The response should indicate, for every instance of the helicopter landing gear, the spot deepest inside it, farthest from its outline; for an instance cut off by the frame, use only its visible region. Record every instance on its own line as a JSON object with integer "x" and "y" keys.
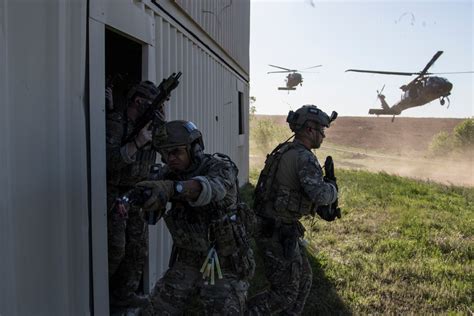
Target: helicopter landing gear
{"x": 442, "y": 101}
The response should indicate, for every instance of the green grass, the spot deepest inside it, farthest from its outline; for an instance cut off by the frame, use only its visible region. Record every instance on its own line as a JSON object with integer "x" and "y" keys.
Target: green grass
{"x": 402, "y": 246}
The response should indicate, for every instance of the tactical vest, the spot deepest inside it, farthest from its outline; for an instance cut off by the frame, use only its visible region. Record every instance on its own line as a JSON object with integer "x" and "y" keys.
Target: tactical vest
{"x": 275, "y": 199}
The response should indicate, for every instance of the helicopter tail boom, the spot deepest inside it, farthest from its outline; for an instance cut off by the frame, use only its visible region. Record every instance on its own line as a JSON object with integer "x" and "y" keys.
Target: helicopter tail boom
{"x": 383, "y": 112}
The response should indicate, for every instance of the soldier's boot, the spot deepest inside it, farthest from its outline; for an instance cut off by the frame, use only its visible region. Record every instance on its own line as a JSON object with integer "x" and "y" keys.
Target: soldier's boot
{"x": 130, "y": 301}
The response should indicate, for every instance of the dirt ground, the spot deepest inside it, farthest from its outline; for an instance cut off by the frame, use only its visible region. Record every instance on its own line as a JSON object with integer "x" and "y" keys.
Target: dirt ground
{"x": 399, "y": 147}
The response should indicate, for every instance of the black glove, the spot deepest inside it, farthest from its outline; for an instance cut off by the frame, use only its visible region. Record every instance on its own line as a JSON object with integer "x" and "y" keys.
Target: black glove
{"x": 332, "y": 181}
{"x": 161, "y": 192}
{"x": 329, "y": 212}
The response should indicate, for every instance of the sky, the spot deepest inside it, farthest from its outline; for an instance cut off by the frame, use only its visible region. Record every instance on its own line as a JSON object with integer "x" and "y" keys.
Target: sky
{"x": 378, "y": 35}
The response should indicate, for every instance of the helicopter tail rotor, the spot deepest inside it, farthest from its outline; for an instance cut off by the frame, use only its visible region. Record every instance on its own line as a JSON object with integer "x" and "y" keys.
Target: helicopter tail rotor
{"x": 379, "y": 93}
{"x": 381, "y": 97}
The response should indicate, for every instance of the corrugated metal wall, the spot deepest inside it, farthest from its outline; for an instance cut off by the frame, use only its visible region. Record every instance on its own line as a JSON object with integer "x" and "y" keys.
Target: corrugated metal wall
{"x": 45, "y": 122}
{"x": 208, "y": 93}
{"x": 226, "y": 21}
{"x": 44, "y": 248}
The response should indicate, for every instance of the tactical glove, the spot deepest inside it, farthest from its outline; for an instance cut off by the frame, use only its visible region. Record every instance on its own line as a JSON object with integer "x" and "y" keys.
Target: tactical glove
{"x": 144, "y": 136}
{"x": 161, "y": 192}
{"x": 332, "y": 181}
{"x": 329, "y": 212}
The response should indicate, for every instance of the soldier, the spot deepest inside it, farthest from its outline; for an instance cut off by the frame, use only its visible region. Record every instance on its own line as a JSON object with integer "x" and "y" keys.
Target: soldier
{"x": 127, "y": 164}
{"x": 211, "y": 259}
{"x": 290, "y": 186}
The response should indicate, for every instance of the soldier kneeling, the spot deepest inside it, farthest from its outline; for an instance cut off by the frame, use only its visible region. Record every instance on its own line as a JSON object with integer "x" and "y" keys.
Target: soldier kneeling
{"x": 211, "y": 258}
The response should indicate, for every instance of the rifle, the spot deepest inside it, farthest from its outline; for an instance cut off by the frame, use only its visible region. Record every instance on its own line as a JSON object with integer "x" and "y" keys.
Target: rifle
{"x": 154, "y": 111}
{"x": 135, "y": 197}
{"x": 331, "y": 211}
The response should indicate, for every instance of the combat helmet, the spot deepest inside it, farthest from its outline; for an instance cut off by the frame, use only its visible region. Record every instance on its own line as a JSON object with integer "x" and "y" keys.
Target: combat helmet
{"x": 145, "y": 89}
{"x": 180, "y": 133}
{"x": 309, "y": 112}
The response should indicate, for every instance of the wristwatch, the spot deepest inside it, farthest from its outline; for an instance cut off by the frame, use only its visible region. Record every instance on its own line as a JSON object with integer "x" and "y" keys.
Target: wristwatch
{"x": 178, "y": 187}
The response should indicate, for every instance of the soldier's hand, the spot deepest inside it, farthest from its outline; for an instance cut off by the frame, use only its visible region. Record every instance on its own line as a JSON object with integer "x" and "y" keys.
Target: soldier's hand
{"x": 327, "y": 213}
{"x": 332, "y": 181}
{"x": 144, "y": 136}
{"x": 161, "y": 192}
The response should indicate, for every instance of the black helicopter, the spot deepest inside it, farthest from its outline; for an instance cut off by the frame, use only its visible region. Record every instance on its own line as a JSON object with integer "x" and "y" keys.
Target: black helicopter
{"x": 294, "y": 77}
{"x": 421, "y": 90}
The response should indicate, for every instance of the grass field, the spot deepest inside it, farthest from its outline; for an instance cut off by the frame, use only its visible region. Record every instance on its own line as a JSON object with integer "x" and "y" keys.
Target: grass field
{"x": 403, "y": 246}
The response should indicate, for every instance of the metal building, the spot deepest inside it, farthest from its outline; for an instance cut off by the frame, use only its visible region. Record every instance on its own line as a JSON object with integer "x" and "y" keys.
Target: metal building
{"x": 54, "y": 58}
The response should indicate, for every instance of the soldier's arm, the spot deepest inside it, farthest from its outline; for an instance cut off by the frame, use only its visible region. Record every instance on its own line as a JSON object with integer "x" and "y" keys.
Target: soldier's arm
{"x": 191, "y": 190}
{"x": 118, "y": 156}
{"x": 311, "y": 179}
{"x": 213, "y": 187}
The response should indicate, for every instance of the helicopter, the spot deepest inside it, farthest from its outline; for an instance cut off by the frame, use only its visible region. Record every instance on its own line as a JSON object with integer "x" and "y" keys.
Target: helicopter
{"x": 293, "y": 78}
{"x": 421, "y": 90}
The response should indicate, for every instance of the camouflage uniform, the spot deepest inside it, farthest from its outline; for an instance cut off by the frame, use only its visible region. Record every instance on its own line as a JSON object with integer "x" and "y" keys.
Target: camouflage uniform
{"x": 191, "y": 224}
{"x": 297, "y": 189}
{"x": 127, "y": 236}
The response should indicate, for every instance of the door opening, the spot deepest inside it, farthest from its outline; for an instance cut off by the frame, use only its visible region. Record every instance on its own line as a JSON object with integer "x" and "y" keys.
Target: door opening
{"x": 123, "y": 65}
{"x": 123, "y": 69}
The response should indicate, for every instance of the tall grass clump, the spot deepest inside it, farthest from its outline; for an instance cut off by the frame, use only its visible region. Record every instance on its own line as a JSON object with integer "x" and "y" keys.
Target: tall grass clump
{"x": 265, "y": 135}
{"x": 459, "y": 142}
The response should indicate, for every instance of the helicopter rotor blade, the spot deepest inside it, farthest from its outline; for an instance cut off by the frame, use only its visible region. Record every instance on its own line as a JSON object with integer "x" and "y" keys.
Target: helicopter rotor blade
{"x": 279, "y": 72}
{"x": 287, "y": 69}
{"x": 384, "y": 72}
{"x": 309, "y": 72}
{"x": 312, "y": 67}
{"x": 451, "y": 73}
{"x": 431, "y": 62}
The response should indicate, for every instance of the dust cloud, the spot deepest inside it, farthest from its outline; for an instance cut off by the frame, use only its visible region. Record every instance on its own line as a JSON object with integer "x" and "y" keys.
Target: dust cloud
{"x": 401, "y": 148}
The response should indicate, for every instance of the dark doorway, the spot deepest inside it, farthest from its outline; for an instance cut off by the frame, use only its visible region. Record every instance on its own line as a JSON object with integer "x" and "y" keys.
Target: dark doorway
{"x": 123, "y": 69}
{"x": 123, "y": 65}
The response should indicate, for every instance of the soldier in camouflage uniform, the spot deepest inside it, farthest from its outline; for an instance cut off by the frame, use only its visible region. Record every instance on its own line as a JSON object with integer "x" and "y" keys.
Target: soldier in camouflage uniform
{"x": 211, "y": 260}
{"x": 127, "y": 164}
{"x": 290, "y": 186}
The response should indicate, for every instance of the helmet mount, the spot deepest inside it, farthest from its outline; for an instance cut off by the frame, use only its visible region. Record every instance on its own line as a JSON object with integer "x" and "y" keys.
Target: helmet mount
{"x": 297, "y": 119}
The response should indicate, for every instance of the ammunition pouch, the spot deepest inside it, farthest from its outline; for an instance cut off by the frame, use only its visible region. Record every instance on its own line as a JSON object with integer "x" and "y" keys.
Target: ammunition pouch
{"x": 291, "y": 202}
{"x": 247, "y": 217}
{"x": 187, "y": 235}
{"x": 232, "y": 243}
